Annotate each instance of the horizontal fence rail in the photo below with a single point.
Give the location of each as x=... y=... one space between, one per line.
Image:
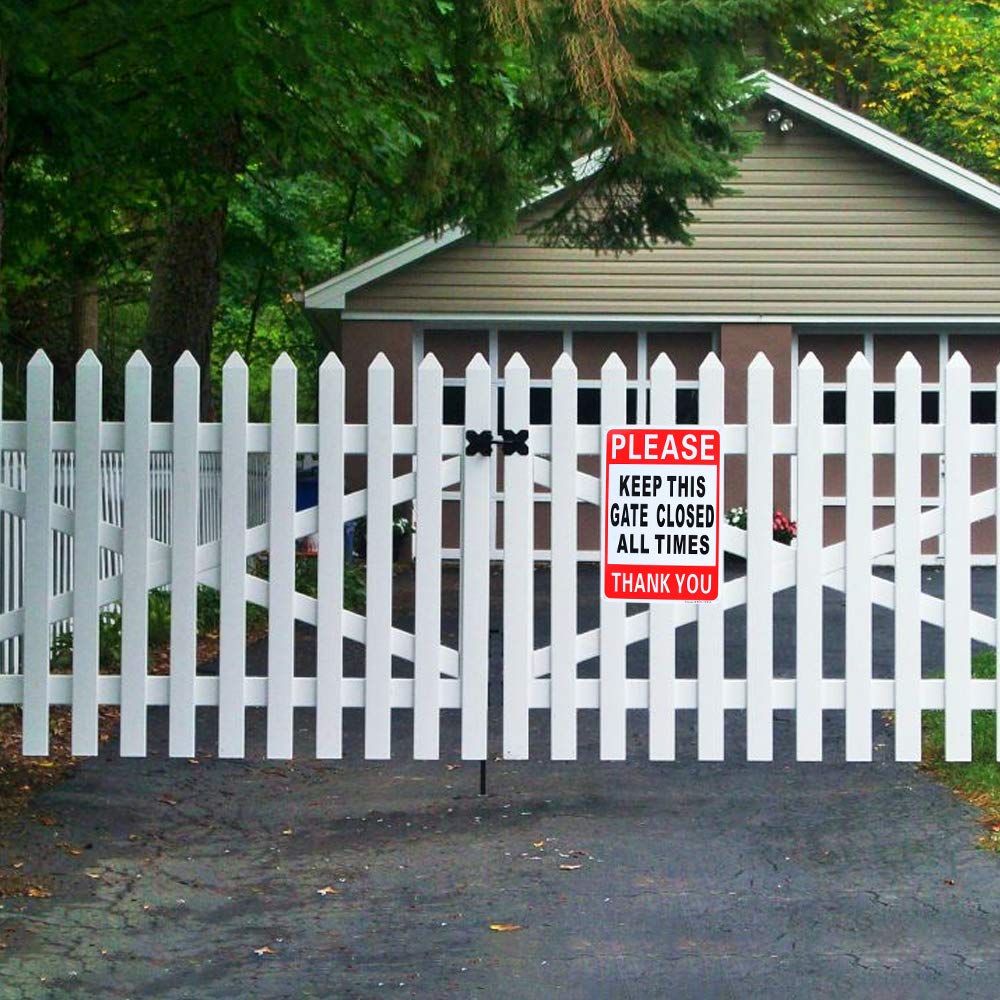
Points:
x=149 y=505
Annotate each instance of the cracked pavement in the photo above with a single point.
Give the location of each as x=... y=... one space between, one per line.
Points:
x=693 y=879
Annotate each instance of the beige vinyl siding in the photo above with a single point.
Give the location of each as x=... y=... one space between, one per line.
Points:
x=821 y=227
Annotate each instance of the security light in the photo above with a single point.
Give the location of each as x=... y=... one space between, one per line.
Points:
x=786 y=125
x=774 y=115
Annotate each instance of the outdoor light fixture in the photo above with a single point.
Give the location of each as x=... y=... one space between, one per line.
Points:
x=777 y=117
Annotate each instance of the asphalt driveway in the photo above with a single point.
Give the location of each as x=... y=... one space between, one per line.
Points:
x=173 y=879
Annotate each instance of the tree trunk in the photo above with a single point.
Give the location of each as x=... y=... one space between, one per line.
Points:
x=84 y=315
x=3 y=141
x=187 y=275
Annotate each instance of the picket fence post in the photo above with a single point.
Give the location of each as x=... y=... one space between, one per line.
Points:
x=711 y=617
x=38 y=568
x=760 y=604
x=474 y=570
x=809 y=562
x=233 y=560
x=662 y=614
x=281 y=561
x=957 y=557
x=906 y=541
x=427 y=606
x=563 y=515
x=858 y=570
x=86 y=568
x=612 y=683
x=518 y=567
x=184 y=506
x=330 y=566
x=378 y=587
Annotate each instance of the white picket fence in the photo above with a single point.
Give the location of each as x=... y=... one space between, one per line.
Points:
x=540 y=678
x=12 y=550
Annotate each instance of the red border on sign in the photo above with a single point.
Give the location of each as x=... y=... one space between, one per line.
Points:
x=654 y=575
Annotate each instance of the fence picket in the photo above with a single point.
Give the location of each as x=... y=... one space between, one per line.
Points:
x=760 y=609
x=427 y=609
x=233 y=560
x=957 y=559
x=662 y=615
x=518 y=567
x=711 y=617
x=378 y=582
x=474 y=578
x=86 y=568
x=906 y=687
x=330 y=562
x=563 y=571
x=135 y=556
x=183 y=531
x=612 y=686
x=858 y=615
x=281 y=561
x=808 y=563
x=38 y=569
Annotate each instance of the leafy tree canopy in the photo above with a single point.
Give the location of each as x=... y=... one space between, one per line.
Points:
x=924 y=68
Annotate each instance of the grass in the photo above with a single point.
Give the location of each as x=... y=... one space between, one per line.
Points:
x=977 y=781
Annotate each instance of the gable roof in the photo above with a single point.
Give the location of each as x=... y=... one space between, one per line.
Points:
x=331 y=294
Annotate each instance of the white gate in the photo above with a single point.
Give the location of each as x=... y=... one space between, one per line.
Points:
x=535 y=678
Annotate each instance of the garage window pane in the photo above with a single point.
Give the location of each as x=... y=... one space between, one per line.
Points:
x=834 y=406
x=884 y=406
x=540 y=405
x=984 y=407
x=454 y=405
x=930 y=407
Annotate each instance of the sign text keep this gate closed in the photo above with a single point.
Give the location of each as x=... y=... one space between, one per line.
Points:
x=661 y=514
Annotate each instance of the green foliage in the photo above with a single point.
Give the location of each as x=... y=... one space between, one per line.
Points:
x=358 y=125
x=978 y=780
x=924 y=68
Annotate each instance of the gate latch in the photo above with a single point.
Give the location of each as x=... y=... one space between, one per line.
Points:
x=511 y=442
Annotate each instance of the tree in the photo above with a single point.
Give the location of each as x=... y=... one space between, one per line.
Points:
x=924 y=68
x=224 y=153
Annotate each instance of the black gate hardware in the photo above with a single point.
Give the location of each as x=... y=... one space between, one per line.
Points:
x=481 y=442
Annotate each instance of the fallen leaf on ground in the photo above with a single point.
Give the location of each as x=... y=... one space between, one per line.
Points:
x=505 y=927
x=46 y=821
x=949 y=881
x=286 y=833
x=538 y=843
x=452 y=767
x=167 y=800
x=93 y=873
x=266 y=950
x=18 y=864
x=327 y=890
x=37 y=892
x=569 y=868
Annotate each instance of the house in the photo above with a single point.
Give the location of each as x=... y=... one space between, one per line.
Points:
x=843 y=237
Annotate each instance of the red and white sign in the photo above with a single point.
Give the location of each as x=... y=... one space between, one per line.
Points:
x=661 y=514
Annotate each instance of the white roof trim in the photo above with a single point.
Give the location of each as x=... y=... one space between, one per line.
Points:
x=461 y=319
x=881 y=140
x=332 y=294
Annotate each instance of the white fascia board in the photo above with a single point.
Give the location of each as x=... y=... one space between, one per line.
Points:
x=331 y=294
x=458 y=319
x=881 y=140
